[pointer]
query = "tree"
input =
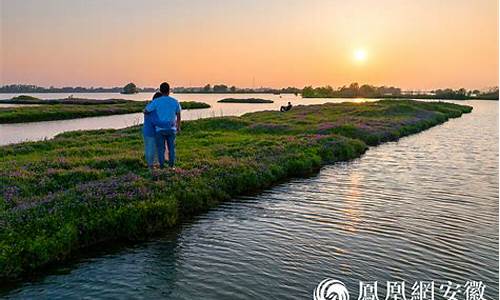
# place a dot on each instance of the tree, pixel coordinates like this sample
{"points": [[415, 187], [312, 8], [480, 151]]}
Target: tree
{"points": [[354, 86], [130, 88], [349, 92], [207, 88], [367, 90], [232, 89], [325, 92], [491, 94], [308, 92], [220, 88], [462, 92]]}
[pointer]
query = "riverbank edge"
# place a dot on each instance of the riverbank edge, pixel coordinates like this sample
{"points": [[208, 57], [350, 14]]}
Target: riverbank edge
{"points": [[138, 220], [58, 111], [404, 97], [245, 100]]}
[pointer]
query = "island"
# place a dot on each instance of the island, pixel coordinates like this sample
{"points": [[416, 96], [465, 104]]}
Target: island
{"points": [[130, 88], [245, 100], [26, 99], [72, 108], [83, 188]]}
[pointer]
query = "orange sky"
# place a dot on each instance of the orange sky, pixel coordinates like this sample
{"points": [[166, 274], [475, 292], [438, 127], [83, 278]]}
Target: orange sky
{"points": [[422, 44]]}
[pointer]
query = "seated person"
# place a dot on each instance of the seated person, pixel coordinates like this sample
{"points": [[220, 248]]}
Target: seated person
{"points": [[286, 108]]}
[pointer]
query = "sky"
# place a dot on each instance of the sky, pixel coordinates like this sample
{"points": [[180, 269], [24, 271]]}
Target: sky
{"points": [[424, 44]]}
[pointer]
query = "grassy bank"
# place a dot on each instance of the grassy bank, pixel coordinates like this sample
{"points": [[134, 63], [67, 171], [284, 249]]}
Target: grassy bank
{"points": [[403, 97], [63, 109], [247, 100], [82, 188], [23, 99]]}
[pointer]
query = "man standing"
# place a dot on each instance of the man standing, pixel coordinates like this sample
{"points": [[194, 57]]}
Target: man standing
{"points": [[168, 110]]}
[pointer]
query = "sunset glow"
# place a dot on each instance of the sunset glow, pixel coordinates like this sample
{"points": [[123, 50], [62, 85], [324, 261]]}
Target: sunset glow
{"points": [[277, 43], [360, 55]]}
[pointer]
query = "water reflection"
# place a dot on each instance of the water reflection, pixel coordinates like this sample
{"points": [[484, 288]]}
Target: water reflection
{"points": [[7, 105], [352, 212]]}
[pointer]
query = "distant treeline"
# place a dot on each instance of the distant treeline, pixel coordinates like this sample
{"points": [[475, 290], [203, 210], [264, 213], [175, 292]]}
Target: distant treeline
{"points": [[28, 88], [222, 89], [351, 91], [370, 91], [131, 88], [354, 90]]}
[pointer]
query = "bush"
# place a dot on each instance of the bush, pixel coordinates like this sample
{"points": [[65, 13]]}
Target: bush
{"points": [[248, 100]]}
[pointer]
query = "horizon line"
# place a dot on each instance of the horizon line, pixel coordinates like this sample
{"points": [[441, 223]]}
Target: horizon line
{"points": [[484, 87]]}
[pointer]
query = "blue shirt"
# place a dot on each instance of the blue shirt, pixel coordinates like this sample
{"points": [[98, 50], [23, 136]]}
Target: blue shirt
{"points": [[148, 129], [167, 109]]}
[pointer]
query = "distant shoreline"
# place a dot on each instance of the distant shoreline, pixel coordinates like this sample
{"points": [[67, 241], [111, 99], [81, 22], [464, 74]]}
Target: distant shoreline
{"points": [[201, 93], [418, 97], [353, 90], [404, 97], [65, 109]]}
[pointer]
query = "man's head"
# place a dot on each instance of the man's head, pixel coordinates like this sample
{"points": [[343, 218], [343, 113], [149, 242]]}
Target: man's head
{"points": [[165, 88]]}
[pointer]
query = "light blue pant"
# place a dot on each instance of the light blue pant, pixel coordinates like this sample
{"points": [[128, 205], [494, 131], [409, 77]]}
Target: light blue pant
{"points": [[167, 136], [150, 150]]}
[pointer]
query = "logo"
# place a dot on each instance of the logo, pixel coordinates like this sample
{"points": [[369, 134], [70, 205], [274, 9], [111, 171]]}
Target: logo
{"points": [[331, 289]]}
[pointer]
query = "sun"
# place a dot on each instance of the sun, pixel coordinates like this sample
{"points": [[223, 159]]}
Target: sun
{"points": [[360, 55]]}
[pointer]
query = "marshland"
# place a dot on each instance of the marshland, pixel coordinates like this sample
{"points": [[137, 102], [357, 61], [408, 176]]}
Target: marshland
{"points": [[82, 188], [244, 155], [32, 109], [324, 149]]}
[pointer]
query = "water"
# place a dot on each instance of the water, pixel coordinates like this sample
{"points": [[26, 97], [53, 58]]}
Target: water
{"points": [[423, 208], [7, 105], [19, 132]]}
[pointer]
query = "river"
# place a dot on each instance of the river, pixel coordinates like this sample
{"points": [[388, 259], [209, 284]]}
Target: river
{"points": [[422, 208]]}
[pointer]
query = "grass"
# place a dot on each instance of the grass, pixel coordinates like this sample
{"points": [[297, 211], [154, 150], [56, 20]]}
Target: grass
{"points": [[194, 105], [71, 108], [76, 101], [86, 187], [25, 97], [247, 100]]}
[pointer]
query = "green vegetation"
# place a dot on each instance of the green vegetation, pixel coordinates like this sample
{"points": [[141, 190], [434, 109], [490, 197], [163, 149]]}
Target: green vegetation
{"points": [[130, 88], [217, 88], [86, 187], [247, 100], [72, 108], [491, 94], [30, 88], [194, 105], [24, 98], [224, 89], [351, 91], [369, 91]]}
